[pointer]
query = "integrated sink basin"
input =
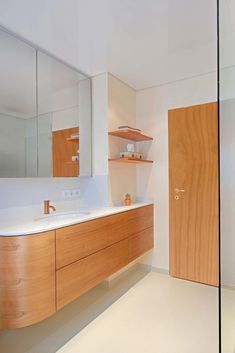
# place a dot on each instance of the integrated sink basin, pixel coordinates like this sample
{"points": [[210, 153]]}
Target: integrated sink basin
{"points": [[63, 216]]}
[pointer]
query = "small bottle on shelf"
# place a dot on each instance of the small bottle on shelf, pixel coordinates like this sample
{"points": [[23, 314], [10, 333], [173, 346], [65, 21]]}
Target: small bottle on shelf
{"points": [[127, 200]]}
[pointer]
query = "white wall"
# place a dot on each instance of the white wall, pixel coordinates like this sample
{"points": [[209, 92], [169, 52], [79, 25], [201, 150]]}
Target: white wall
{"points": [[100, 124], [152, 118]]}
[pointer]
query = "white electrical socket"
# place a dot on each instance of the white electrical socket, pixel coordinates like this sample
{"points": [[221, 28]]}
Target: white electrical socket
{"points": [[69, 194], [65, 194], [76, 192]]}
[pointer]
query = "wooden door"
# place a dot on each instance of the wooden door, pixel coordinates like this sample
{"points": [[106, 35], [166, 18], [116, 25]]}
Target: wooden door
{"points": [[193, 193], [63, 148]]}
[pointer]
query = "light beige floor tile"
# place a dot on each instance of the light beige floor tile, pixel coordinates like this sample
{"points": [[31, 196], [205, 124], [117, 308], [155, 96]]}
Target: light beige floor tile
{"points": [[157, 315]]}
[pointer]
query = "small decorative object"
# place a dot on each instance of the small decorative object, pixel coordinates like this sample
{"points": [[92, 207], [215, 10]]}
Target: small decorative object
{"points": [[131, 155], [130, 147], [127, 200]]}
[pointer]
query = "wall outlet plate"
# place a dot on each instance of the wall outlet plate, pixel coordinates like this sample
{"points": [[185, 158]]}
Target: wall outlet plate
{"points": [[71, 194]]}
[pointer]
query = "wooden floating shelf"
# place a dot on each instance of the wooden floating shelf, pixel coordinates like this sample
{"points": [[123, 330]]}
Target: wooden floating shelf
{"points": [[130, 135], [72, 139], [130, 160]]}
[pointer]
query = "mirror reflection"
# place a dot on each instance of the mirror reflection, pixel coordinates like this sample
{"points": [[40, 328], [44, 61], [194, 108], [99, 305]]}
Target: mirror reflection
{"points": [[18, 123], [45, 114], [58, 118]]}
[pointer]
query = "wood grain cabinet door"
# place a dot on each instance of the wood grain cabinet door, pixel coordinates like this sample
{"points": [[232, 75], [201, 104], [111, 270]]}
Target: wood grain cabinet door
{"points": [[125, 224], [27, 279], [75, 279], [140, 243], [193, 193], [78, 241]]}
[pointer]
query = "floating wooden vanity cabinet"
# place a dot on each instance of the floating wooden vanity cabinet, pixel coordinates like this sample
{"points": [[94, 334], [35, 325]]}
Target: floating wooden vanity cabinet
{"points": [[27, 279], [41, 273]]}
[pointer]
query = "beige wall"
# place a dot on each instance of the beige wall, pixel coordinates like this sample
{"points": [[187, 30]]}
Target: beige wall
{"points": [[121, 111]]}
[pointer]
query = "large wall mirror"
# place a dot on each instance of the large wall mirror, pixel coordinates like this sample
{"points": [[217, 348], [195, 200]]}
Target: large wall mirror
{"points": [[45, 114]]}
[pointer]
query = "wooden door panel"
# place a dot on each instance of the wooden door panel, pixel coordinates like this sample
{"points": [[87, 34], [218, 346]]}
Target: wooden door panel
{"points": [[63, 150], [193, 169]]}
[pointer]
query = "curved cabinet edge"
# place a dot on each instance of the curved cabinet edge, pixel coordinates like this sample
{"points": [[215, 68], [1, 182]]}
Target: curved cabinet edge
{"points": [[27, 279]]}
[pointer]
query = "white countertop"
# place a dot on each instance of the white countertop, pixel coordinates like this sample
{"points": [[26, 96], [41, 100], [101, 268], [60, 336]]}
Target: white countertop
{"points": [[39, 224]]}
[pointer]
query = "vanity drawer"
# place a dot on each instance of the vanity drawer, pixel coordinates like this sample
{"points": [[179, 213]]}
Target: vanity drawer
{"points": [[140, 243], [75, 279], [80, 240], [125, 224]]}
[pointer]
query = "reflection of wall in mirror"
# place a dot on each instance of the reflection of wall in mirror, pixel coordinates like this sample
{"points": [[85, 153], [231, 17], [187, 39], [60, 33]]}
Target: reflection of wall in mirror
{"points": [[18, 147]]}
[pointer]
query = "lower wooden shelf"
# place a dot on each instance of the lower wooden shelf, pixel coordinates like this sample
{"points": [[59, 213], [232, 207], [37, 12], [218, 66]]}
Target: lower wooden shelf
{"points": [[130, 160]]}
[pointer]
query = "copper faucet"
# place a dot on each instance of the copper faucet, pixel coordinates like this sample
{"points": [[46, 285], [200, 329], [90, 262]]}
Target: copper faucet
{"points": [[47, 207]]}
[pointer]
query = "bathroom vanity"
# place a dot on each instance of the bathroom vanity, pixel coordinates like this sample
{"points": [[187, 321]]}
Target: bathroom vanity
{"points": [[42, 272]]}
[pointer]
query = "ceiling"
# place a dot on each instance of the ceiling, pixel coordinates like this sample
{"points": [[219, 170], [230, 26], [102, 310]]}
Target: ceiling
{"points": [[143, 42]]}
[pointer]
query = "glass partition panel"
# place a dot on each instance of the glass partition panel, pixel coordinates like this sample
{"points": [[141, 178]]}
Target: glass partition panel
{"points": [[227, 172]]}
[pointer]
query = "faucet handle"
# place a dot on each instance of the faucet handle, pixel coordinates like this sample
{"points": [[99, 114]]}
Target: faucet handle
{"points": [[47, 207]]}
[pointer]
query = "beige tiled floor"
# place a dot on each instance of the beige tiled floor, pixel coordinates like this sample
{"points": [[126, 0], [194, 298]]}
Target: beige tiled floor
{"points": [[159, 314]]}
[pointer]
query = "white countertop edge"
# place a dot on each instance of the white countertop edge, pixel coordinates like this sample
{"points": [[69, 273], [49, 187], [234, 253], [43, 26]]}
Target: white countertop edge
{"points": [[34, 227]]}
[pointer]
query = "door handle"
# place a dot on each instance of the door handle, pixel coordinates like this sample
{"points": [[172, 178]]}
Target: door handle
{"points": [[179, 190]]}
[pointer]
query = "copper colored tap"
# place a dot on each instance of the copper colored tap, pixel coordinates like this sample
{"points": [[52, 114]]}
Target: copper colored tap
{"points": [[47, 207]]}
